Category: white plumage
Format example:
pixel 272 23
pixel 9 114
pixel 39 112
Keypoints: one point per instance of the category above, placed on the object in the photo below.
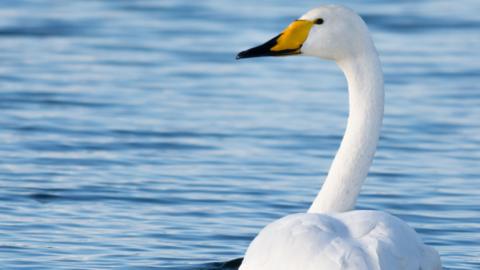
pixel 360 240
pixel 332 235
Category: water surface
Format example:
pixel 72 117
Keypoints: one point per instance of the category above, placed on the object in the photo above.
pixel 131 138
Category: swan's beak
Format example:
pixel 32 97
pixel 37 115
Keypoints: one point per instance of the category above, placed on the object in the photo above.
pixel 289 42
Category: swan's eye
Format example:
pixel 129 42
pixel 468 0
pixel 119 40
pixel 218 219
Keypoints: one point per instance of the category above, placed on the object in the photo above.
pixel 319 21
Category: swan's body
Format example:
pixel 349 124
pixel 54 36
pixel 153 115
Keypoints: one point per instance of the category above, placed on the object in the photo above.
pixel 331 235
pixel 360 240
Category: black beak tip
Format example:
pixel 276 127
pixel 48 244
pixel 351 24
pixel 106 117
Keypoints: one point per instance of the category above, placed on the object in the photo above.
pixel 241 55
pixel 262 50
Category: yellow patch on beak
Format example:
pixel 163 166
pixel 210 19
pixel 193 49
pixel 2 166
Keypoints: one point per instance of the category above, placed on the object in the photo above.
pixel 293 36
pixel 287 43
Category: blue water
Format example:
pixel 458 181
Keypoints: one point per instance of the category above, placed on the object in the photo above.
pixel 131 138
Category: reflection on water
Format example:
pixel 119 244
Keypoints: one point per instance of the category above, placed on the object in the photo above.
pixel 132 138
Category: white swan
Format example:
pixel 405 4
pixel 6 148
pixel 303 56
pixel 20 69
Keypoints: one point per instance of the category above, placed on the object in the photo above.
pixel 331 235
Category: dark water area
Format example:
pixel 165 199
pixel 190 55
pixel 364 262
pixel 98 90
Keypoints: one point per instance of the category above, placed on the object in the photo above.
pixel 131 138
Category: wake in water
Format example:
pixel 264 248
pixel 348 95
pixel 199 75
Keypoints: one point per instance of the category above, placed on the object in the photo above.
pixel 229 265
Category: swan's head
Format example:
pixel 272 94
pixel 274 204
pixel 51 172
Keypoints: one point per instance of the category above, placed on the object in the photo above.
pixel 331 32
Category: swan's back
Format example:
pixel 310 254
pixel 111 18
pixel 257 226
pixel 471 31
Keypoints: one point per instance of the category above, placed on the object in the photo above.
pixel 360 240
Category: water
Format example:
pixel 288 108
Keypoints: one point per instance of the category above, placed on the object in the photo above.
pixel 132 139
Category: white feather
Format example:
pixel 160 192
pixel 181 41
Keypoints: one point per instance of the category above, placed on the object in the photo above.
pixel 360 240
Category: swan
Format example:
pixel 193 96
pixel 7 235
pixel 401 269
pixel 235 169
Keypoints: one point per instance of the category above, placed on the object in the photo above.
pixel 331 235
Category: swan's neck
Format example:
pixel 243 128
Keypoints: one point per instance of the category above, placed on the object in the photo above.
pixel 350 167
